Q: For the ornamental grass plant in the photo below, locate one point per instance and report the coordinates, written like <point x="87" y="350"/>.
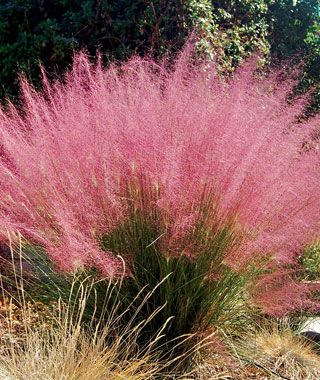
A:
<point x="207" y="187"/>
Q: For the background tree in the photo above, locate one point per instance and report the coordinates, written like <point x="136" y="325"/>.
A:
<point x="295" y="32"/>
<point x="46" y="31"/>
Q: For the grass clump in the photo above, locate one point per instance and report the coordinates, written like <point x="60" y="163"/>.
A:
<point x="277" y="349"/>
<point x="198" y="290"/>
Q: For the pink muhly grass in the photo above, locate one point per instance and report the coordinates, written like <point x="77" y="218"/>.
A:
<point x="69" y="155"/>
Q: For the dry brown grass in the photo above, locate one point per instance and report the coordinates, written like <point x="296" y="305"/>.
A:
<point x="41" y="342"/>
<point x="275" y="348"/>
<point x="52" y="342"/>
<point x="64" y="350"/>
<point x="65" y="355"/>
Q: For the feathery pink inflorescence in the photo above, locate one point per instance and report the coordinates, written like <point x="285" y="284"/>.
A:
<point x="64" y="159"/>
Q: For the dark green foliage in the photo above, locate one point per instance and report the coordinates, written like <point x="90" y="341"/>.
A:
<point x="295" y="33"/>
<point x="34" y="31"/>
<point x="279" y="29"/>
<point x="242" y="28"/>
<point x="47" y="32"/>
<point x="291" y="22"/>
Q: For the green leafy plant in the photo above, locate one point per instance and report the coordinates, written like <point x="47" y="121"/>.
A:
<point x="310" y="260"/>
